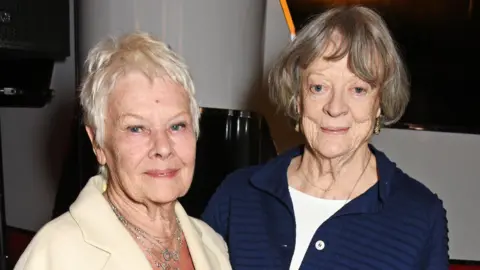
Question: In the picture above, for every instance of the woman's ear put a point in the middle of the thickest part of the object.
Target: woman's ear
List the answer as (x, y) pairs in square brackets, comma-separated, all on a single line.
[(99, 153)]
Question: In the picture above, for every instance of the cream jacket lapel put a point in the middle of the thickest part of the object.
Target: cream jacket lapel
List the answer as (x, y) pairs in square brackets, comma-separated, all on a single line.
[(90, 236)]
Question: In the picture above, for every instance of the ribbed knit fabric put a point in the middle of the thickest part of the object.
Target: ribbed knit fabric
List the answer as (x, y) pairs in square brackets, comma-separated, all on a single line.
[(397, 224)]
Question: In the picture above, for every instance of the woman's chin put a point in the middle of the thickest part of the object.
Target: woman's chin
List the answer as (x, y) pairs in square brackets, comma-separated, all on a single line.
[(165, 195), (331, 150), (163, 198)]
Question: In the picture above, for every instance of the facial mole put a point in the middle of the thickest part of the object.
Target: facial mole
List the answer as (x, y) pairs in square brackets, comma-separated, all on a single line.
[(157, 101)]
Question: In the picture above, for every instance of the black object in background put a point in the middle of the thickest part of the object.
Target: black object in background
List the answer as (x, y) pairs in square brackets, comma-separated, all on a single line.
[(33, 35), (36, 27), (229, 140)]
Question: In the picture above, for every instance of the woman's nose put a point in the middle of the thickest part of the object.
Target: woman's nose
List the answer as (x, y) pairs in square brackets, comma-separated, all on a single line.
[(336, 105), (161, 145)]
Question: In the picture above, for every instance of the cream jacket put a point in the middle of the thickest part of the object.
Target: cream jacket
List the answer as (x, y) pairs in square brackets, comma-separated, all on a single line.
[(90, 237)]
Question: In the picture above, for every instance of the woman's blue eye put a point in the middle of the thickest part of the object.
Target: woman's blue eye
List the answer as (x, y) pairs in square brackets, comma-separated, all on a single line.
[(178, 127), (359, 90), (317, 88), (135, 129)]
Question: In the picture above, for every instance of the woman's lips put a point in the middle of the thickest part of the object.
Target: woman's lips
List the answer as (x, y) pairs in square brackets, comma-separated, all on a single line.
[(168, 173), (335, 130)]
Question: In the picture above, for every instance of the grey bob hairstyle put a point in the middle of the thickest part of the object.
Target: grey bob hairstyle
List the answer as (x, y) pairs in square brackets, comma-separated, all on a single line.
[(364, 39)]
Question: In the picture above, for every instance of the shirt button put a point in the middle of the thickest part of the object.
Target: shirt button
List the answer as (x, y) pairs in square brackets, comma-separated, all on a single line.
[(320, 245)]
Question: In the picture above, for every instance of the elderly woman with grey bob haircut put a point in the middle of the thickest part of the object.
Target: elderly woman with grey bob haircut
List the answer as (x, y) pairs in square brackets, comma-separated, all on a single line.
[(337, 202), (142, 119)]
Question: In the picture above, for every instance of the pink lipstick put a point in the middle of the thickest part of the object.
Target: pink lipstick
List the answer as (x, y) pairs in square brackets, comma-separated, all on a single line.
[(335, 130), (168, 173)]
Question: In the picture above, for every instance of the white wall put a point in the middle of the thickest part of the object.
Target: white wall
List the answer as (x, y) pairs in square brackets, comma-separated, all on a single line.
[(447, 163), (221, 40), (33, 142)]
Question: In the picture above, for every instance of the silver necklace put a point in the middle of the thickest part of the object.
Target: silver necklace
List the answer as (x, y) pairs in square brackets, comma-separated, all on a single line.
[(325, 190), (167, 257), (360, 177)]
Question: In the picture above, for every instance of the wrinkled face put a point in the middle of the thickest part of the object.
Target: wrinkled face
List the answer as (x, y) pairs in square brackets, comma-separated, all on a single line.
[(338, 110), (150, 143)]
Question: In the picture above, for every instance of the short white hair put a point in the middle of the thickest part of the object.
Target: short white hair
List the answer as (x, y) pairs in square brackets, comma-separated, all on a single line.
[(115, 57)]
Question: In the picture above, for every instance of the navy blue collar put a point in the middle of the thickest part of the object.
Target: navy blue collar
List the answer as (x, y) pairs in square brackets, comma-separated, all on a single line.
[(272, 178)]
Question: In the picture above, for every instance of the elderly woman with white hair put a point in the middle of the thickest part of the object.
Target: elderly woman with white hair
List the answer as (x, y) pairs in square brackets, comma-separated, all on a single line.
[(142, 119)]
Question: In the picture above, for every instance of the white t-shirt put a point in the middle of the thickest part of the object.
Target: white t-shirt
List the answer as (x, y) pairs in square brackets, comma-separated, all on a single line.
[(310, 213)]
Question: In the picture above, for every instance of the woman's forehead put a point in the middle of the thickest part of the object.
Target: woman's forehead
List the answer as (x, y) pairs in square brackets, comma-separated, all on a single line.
[(135, 93)]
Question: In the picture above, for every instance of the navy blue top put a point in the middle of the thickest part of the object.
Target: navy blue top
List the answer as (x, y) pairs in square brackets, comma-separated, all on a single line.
[(396, 224)]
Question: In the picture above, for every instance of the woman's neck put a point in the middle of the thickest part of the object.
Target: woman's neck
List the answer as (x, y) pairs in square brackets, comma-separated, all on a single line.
[(337, 178), (158, 220)]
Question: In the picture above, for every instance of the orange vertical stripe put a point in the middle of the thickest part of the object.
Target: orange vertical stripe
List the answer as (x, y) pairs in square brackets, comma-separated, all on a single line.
[(288, 17)]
